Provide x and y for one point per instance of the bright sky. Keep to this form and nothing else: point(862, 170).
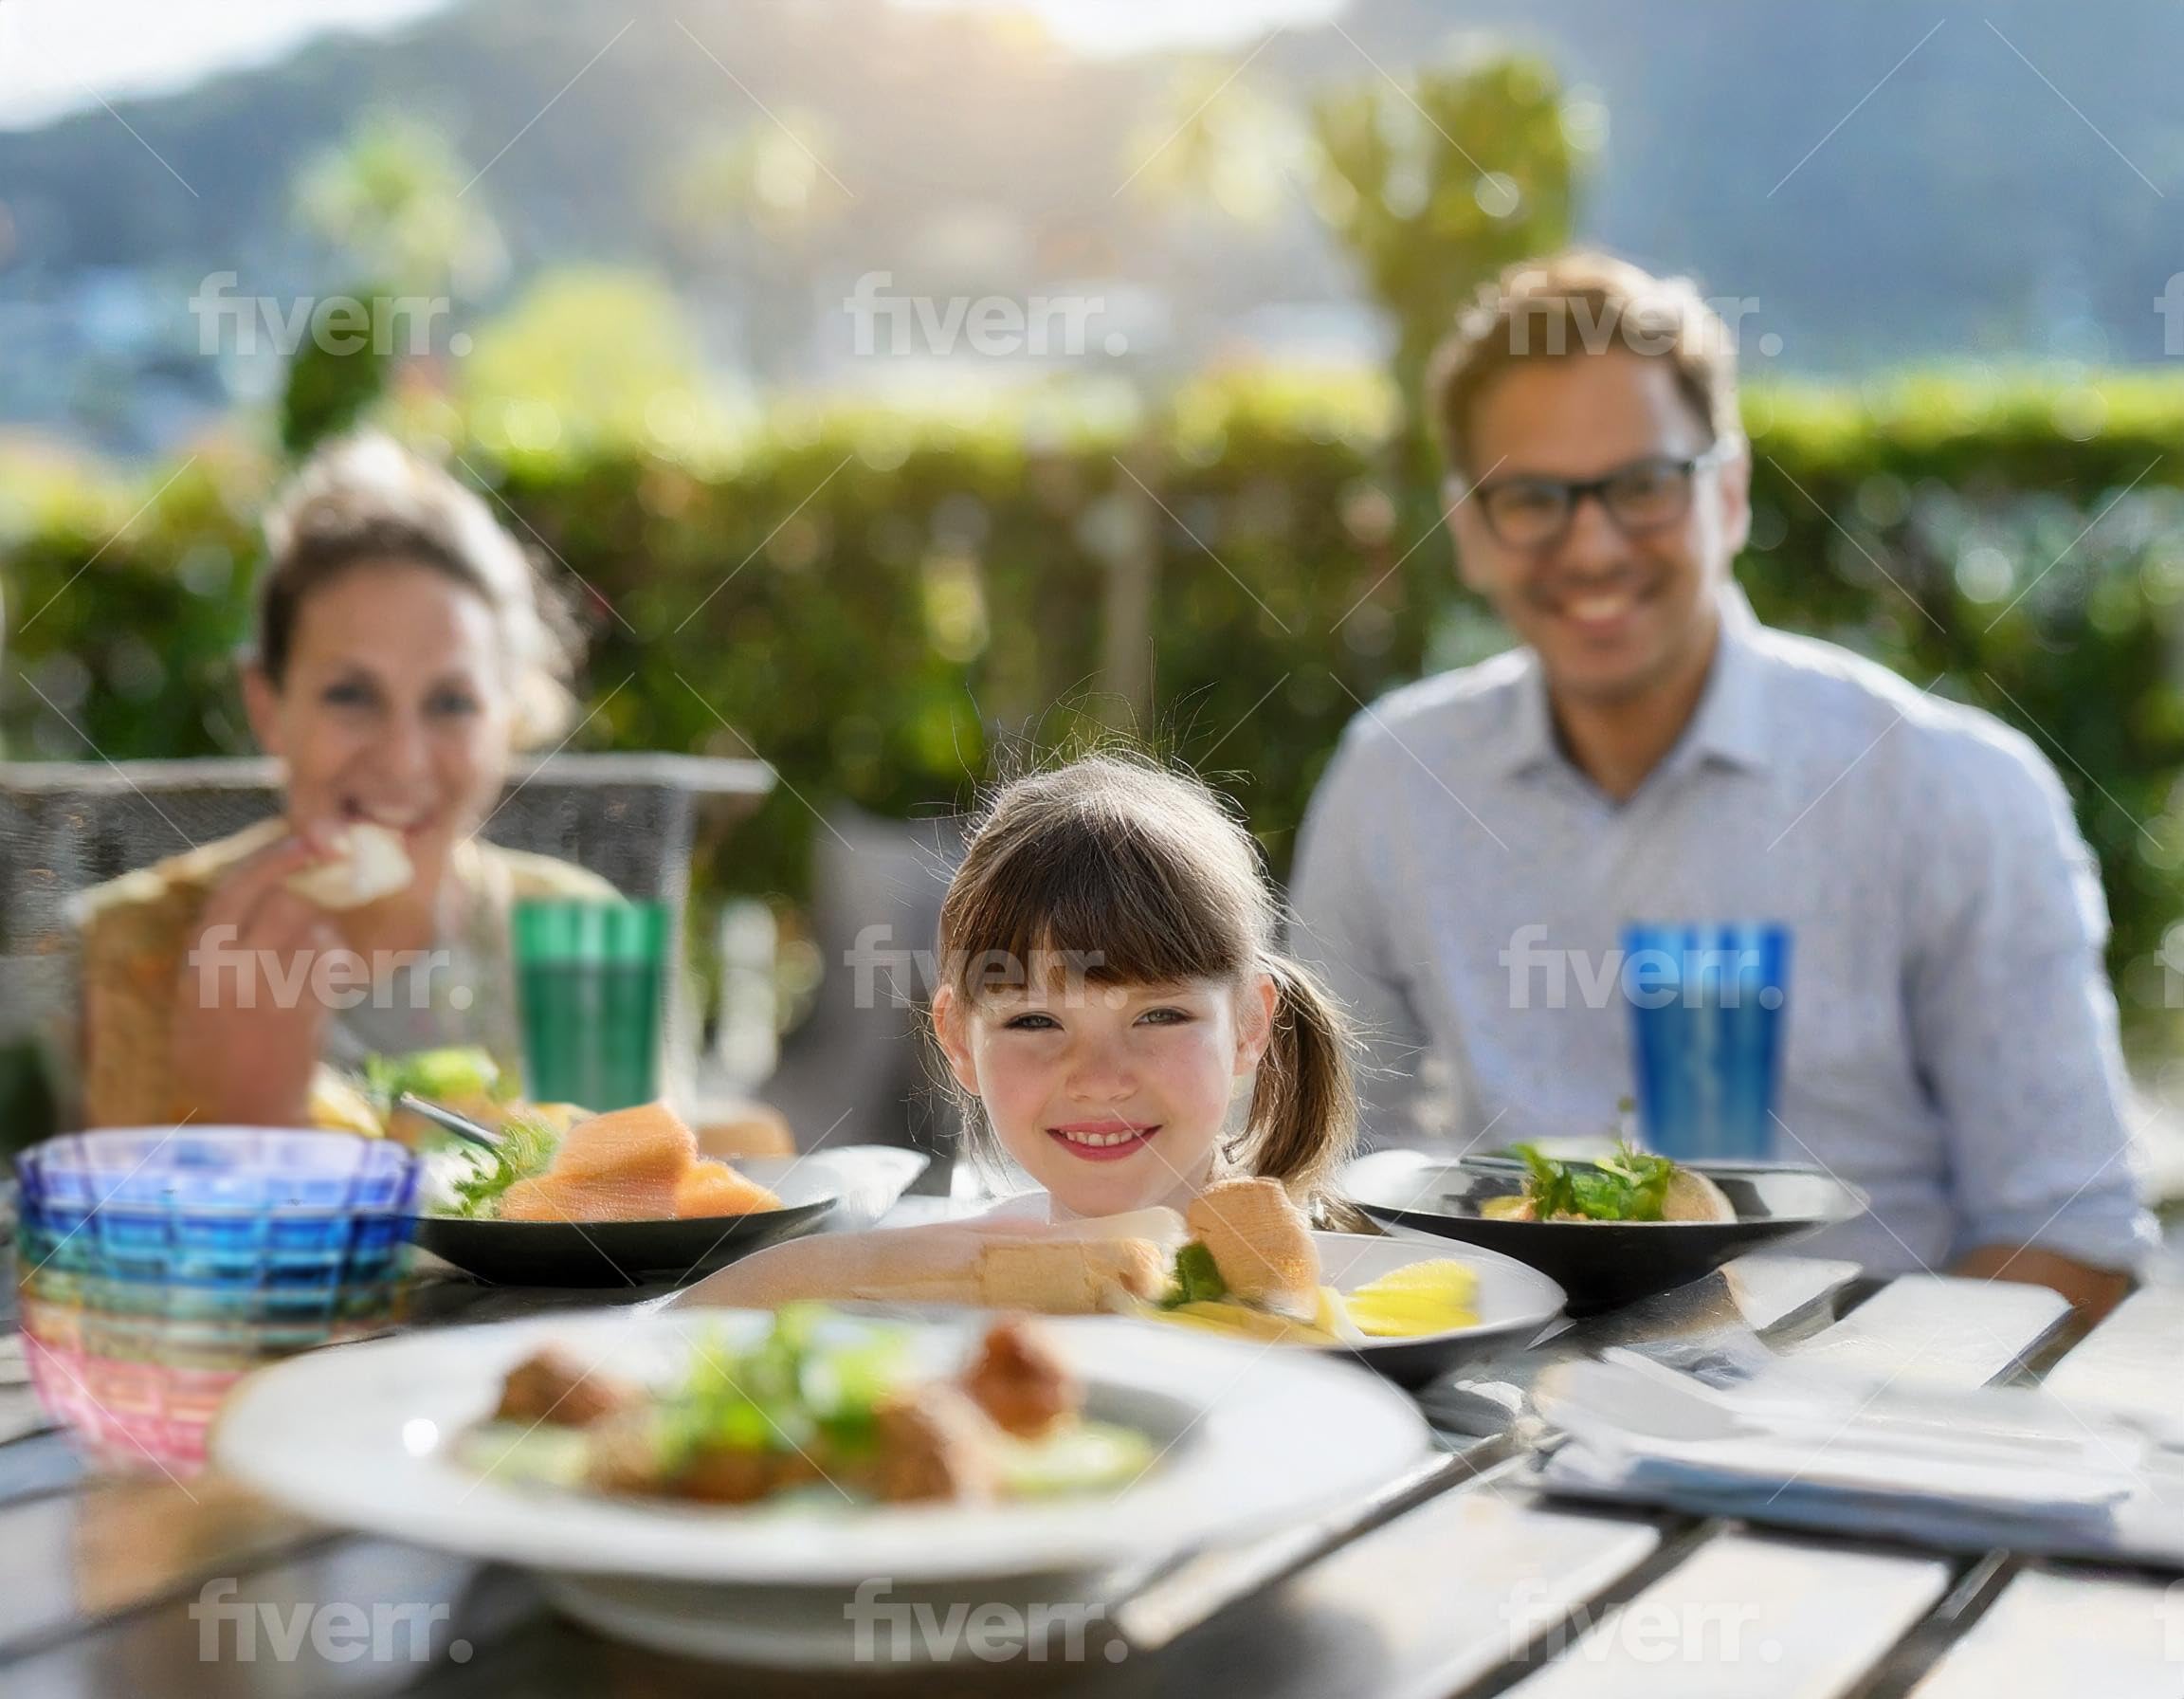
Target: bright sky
point(57, 55)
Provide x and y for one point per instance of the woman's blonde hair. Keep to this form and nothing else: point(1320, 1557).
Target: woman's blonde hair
point(1128, 873)
point(365, 500)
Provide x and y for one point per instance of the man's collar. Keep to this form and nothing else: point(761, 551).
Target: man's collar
point(1730, 725)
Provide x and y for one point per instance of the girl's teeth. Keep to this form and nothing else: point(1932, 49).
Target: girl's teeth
point(1099, 1139)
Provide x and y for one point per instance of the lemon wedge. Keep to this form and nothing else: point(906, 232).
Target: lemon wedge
point(1419, 1298)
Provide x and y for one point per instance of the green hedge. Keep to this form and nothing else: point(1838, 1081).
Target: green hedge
point(881, 607)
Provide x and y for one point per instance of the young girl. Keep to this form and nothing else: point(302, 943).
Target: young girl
point(1119, 1021)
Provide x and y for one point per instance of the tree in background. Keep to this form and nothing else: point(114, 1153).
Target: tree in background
point(1219, 141)
point(751, 206)
point(389, 205)
point(1434, 186)
point(589, 358)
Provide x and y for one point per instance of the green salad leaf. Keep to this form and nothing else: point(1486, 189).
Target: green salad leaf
point(452, 1071)
point(1628, 1185)
point(1198, 1278)
point(789, 1390)
point(1548, 1186)
point(527, 1145)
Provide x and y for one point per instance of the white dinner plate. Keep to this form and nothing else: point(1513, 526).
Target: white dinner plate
point(1514, 1301)
point(363, 1436)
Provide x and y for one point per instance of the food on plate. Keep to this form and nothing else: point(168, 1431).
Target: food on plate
point(818, 1413)
point(370, 863)
point(554, 1387)
point(553, 1161)
point(1259, 1243)
point(1628, 1185)
point(709, 1188)
point(639, 1165)
point(1254, 1271)
point(337, 1105)
point(1020, 1380)
point(1242, 1261)
point(1079, 1268)
point(464, 1078)
point(1065, 1277)
point(1428, 1297)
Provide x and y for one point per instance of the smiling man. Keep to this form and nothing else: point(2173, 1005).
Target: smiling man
point(1651, 751)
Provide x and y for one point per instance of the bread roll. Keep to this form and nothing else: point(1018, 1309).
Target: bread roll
point(1260, 1243)
point(946, 1263)
point(1694, 1198)
point(1069, 1277)
point(372, 865)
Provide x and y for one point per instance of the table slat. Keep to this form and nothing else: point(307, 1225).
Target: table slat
point(404, 1595)
point(1933, 1330)
point(19, 1411)
point(1749, 1618)
point(2134, 1360)
point(1778, 1292)
point(1425, 1605)
point(65, 1559)
point(2062, 1634)
point(42, 1464)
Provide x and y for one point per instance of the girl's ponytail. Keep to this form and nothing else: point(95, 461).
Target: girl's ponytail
point(1304, 1120)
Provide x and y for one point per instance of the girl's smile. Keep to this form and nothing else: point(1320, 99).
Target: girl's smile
point(1104, 1141)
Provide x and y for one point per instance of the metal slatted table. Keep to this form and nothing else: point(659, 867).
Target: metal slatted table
point(1457, 1581)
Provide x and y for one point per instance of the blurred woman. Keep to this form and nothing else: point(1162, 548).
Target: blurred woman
point(405, 648)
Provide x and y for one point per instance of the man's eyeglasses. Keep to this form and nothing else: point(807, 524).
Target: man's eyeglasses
point(1646, 495)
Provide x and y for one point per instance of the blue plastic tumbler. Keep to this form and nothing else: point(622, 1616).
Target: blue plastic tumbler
point(1709, 1004)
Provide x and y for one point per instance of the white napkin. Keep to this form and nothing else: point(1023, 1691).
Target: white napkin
point(1997, 1466)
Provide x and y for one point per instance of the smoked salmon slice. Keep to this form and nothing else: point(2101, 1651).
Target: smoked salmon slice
point(637, 1164)
point(715, 1189)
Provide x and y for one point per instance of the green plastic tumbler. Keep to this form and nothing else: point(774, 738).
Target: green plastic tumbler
point(590, 978)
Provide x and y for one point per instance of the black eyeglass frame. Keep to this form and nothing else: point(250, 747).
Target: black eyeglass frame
point(1577, 492)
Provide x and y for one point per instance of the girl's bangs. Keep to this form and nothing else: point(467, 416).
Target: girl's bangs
point(1103, 913)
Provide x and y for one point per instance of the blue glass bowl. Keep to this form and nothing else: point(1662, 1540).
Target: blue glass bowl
point(197, 1212)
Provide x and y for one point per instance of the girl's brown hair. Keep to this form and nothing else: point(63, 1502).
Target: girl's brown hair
point(364, 500)
point(1129, 874)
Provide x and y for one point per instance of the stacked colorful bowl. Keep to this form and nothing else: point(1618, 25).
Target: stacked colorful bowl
point(157, 1265)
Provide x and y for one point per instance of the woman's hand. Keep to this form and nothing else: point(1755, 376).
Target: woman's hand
point(250, 1007)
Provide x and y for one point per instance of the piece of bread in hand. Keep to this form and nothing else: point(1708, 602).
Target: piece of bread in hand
point(372, 865)
point(1261, 1243)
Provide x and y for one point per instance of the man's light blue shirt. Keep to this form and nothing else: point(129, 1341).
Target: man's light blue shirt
point(1951, 1040)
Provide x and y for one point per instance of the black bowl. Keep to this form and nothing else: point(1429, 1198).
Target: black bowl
point(604, 1253)
point(1602, 1265)
point(594, 1254)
